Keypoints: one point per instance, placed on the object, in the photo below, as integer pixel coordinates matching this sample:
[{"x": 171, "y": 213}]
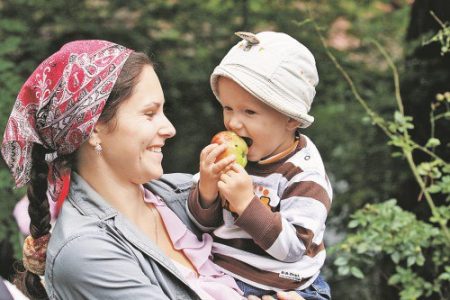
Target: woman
[{"x": 92, "y": 115}]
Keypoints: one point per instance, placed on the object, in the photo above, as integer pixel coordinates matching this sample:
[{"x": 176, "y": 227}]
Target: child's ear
[{"x": 292, "y": 124}]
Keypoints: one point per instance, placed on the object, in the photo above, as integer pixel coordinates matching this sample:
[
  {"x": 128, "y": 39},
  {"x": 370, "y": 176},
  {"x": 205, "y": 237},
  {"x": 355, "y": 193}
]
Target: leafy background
[{"x": 188, "y": 38}]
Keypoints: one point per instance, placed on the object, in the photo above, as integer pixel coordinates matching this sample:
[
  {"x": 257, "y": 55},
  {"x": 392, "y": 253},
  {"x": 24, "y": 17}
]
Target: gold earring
[{"x": 98, "y": 148}]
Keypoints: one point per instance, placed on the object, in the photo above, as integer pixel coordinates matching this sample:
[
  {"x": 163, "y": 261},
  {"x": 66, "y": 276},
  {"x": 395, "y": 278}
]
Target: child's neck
[{"x": 281, "y": 155}]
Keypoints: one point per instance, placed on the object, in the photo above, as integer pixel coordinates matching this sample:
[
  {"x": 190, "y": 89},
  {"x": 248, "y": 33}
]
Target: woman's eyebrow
[{"x": 151, "y": 105}]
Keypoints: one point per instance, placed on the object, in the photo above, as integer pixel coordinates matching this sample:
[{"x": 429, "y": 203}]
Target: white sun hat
[{"x": 276, "y": 69}]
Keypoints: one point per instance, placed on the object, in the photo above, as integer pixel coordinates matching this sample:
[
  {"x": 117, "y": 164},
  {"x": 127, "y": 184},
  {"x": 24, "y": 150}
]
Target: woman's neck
[{"x": 126, "y": 197}]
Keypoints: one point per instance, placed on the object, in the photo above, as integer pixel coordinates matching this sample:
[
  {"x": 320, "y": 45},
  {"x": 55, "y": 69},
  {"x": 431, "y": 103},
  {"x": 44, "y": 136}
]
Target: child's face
[{"x": 270, "y": 131}]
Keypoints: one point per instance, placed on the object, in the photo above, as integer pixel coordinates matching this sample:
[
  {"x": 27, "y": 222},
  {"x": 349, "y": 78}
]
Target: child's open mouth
[{"x": 247, "y": 140}]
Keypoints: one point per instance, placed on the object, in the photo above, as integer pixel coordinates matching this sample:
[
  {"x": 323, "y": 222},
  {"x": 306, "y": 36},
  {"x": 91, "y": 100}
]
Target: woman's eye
[{"x": 150, "y": 114}]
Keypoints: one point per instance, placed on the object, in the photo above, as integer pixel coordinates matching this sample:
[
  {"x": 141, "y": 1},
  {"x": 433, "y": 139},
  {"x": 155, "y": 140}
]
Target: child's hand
[
  {"x": 236, "y": 186},
  {"x": 210, "y": 171}
]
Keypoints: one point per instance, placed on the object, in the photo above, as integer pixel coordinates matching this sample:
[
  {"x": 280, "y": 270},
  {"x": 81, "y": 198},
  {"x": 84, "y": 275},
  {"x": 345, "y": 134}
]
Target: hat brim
[{"x": 260, "y": 88}]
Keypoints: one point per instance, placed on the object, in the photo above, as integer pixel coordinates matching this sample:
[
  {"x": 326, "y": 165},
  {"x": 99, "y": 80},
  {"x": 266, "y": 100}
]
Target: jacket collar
[{"x": 87, "y": 200}]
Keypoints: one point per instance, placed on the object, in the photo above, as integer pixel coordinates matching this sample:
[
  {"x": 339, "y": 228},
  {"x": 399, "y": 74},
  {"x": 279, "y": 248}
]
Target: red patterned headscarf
[{"x": 59, "y": 105}]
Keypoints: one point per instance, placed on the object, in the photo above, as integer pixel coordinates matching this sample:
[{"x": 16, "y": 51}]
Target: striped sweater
[{"x": 277, "y": 242}]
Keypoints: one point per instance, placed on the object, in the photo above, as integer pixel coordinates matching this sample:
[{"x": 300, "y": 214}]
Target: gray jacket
[{"x": 96, "y": 253}]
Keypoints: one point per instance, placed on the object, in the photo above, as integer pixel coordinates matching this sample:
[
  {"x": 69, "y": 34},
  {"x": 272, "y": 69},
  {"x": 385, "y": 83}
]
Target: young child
[{"x": 269, "y": 235}]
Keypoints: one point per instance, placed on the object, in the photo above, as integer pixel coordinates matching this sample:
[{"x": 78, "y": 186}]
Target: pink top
[{"x": 211, "y": 282}]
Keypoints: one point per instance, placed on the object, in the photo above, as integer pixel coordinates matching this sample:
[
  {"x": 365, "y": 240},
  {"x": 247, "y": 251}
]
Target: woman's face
[{"x": 132, "y": 141}]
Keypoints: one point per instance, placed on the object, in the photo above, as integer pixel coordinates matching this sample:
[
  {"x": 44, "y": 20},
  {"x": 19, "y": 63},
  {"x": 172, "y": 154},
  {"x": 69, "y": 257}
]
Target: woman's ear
[
  {"x": 95, "y": 137},
  {"x": 292, "y": 124}
]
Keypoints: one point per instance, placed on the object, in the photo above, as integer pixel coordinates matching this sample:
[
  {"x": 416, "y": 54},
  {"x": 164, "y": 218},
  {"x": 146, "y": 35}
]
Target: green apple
[{"x": 235, "y": 145}]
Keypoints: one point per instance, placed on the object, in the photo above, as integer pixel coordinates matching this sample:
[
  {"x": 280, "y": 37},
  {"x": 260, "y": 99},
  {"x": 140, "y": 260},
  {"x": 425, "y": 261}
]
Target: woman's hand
[{"x": 280, "y": 295}]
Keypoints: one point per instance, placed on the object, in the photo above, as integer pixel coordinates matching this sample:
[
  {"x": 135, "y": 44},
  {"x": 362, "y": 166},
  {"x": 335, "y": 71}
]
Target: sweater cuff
[
  {"x": 208, "y": 217},
  {"x": 261, "y": 223}
]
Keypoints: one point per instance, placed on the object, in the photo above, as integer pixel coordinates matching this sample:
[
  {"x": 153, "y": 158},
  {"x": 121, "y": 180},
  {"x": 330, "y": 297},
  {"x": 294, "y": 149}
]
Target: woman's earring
[{"x": 98, "y": 148}]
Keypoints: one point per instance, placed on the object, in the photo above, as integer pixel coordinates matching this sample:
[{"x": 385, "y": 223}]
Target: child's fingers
[
  {"x": 227, "y": 175},
  {"x": 216, "y": 151},
  {"x": 221, "y": 185},
  {"x": 209, "y": 154},
  {"x": 227, "y": 168},
  {"x": 238, "y": 168},
  {"x": 207, "y": 150},
  {"x": 224, "y": 164},
  {"x": 224, "y": 177}
]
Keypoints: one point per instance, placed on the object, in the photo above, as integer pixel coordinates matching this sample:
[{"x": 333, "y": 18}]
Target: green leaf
[
  {"x": 394, "y": 279},
  {"x": 395, "y": 257},
  {"x": 341, "y": 261},
  {"x": 357, "y": 272},
  {"x": 434, "y": 189},
  {"x": 411, "y": 261},
  {"x": 433, "y": 142},
  {"x": 362, "y": 248},
  {"x": 353, "y": 224},
  {"x": 420, "y": 260},
  {"x": 344, "y": 270}
]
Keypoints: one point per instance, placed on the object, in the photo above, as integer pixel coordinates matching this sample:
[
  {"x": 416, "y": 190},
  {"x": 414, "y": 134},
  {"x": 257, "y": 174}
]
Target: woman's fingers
[
  {"x": 251, "y": 297},
  {"x": 292, "y": 295}
]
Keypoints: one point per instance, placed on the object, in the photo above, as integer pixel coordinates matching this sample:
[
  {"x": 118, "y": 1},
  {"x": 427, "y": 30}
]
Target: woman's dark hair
[
  {"x": 6, "y": 253},
  {"x": 29, "y": 283},
  {"x": 123, "y": 88}
]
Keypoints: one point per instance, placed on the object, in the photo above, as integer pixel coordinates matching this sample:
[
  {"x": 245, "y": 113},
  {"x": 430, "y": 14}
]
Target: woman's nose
[{"x": 167, "y": 128}]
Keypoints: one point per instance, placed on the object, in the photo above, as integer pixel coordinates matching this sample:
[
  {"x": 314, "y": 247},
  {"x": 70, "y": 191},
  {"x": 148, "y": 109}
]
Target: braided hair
[{"x": 39, "y": 212}]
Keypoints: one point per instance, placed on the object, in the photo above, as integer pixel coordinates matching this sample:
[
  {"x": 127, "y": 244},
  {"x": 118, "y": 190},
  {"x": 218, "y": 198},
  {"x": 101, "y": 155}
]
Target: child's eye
[
  {"x": 250, "y": 112},
  {"x": 227, "y": 108}
]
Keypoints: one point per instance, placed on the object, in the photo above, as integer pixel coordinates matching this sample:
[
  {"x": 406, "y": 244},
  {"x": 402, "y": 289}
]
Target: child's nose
[{"x": 234, "y": 123}]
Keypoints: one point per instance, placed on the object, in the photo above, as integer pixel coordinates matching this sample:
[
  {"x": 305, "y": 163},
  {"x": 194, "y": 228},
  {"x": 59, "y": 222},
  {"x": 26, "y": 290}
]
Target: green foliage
[
  {"x": 10, "y": 79},
  {"x": 362, "y": 168},
  {"x": 413, "y": 286},
  {"x": 419, "y": 250},
  {"x": 442, "y": 36},
  {"x": 385, "y": 228}
]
